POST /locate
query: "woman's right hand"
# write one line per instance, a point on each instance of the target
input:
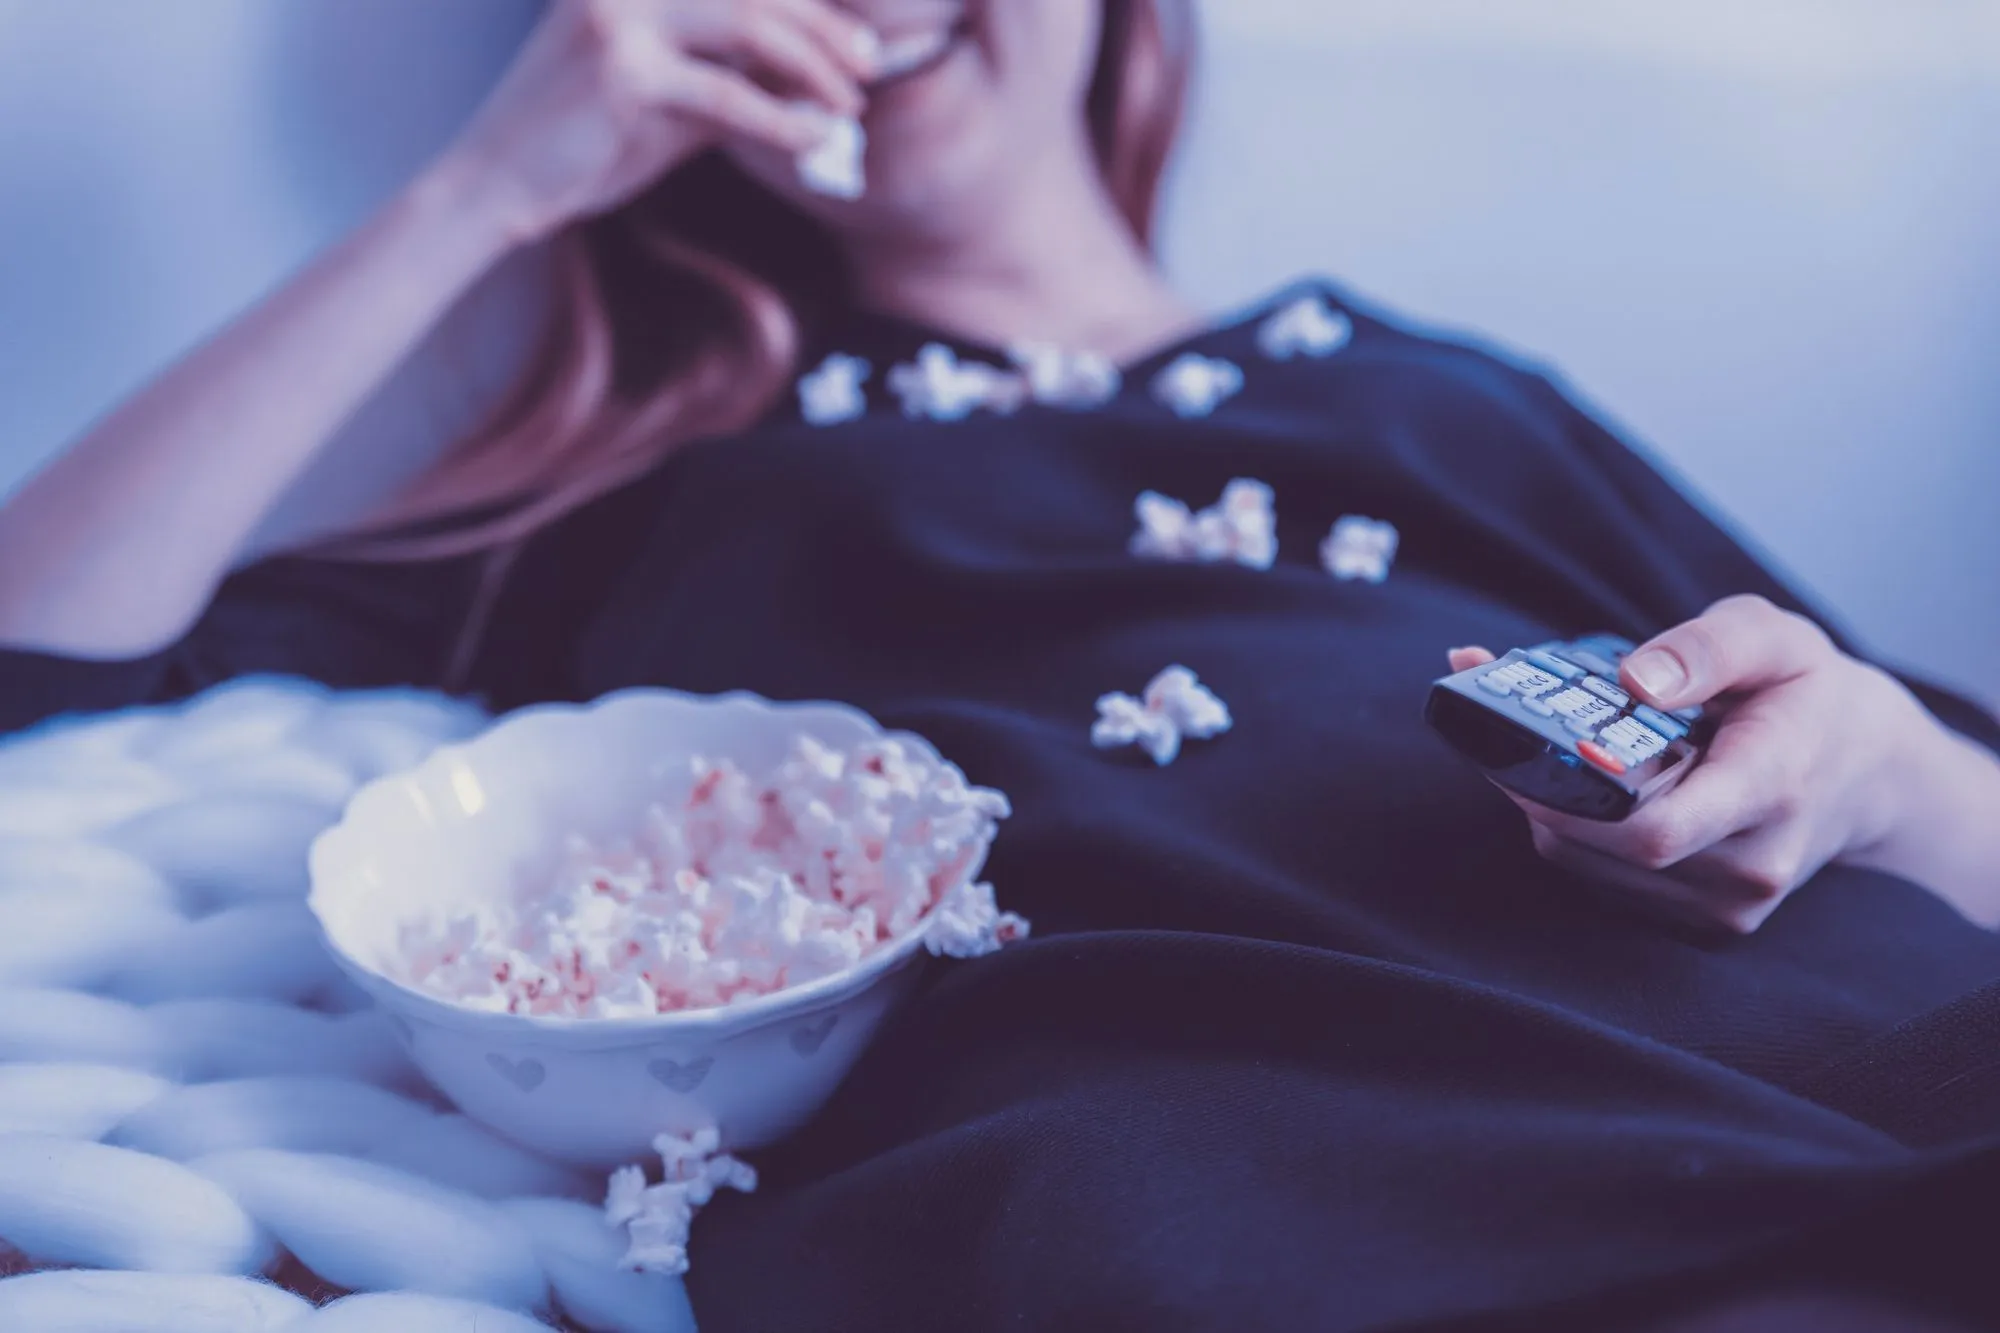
(608, 95)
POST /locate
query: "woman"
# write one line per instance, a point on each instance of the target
(1309, 1036)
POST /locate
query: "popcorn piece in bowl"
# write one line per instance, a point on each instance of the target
(735, 887)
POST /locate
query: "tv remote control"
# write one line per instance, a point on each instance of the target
(1552, 723)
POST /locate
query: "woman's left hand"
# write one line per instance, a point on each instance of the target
(1817, 757)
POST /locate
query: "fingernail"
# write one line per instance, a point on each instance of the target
(868, 46)
(1656, 671)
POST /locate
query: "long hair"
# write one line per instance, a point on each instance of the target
(684, 314)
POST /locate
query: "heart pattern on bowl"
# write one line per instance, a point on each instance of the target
(681, 1077)
(527, 1075)
(808, 1039)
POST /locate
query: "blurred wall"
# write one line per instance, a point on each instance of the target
(165, 162)
(1760, 233)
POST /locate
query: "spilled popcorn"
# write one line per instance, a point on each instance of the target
(1176, 706)
(737, 886)
(1242, 527)
(657, 1218)
(832, 393)
(1307, 326)
(941, 387)
(1359, 548)
(1194, 385)
(833, 167)
(1059, 378)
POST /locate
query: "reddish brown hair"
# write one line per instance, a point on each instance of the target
(684, 315)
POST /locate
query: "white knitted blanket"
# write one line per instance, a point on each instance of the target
(192, 1099)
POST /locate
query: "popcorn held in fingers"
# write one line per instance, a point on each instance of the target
(1195, 385)
(833, 393)
(1241, 527)
(1359, 549)
(1308, 326)
(1176, 707)
(658, 1218)
(939, 386)
(1060, 378)
(834, 166)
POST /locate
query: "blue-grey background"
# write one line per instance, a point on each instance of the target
(1763, 235)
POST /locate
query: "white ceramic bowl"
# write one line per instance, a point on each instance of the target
(475, 818)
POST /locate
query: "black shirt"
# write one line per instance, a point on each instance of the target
(1308, 1036)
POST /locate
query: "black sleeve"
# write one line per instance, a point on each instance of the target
(346, 624)
(1713, 562)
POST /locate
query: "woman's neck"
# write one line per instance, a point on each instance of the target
(1053, 264)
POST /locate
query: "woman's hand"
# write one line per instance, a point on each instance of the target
(608, 95)
(1818, 757)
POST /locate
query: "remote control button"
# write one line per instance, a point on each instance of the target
(1539, 707)
(1590, 661)
(1533, 683)
(1632, 740)
(1554, 665)
(1606, 691)
(1667, 725)
(1602, 757)
(1569, 701)
(1518, 678)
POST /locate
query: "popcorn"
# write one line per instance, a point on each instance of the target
(940, 386)
(832, 394)
(1242, 526)
(1359, 548)
(1308, 325)
(1057, 378)
(735, 887)
(1195, 385)
(967, 923)
(834, 166)
(1176, 707)
(658, 1218)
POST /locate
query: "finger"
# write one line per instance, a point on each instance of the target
(733, 104)
(1759, 866)
(1702, 892)
(1737, 786)
(1740, 643)
(1464, 659)
(1651, 890)
(773, 41)
(845, 37)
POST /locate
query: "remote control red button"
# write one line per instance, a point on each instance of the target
(1600, 756)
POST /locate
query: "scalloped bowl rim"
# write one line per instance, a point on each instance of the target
(715, 1021)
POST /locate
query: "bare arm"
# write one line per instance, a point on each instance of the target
(115, 548)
